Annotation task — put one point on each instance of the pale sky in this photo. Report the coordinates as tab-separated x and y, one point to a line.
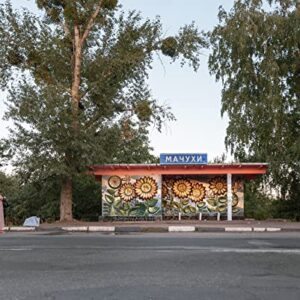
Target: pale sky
195	98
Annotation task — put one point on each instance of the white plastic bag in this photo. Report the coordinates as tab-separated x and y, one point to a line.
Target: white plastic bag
32	222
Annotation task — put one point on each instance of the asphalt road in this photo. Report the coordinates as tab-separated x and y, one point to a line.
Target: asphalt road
150	266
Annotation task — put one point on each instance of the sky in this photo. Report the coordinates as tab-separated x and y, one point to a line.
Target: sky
194	97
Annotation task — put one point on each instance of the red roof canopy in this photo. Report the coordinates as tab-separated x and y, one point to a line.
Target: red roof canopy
247	169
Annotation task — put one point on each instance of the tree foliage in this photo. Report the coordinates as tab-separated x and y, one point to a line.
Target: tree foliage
258	205
256	55
77	84
41	198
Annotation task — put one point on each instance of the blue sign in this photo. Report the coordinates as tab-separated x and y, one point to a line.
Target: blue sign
183	159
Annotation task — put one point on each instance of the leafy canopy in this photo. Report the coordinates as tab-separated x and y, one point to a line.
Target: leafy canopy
115	105
256	55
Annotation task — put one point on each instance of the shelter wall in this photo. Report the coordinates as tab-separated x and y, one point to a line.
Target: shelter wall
131	196
190	195
169	195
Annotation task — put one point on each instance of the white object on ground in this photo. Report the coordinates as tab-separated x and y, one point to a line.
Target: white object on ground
32	222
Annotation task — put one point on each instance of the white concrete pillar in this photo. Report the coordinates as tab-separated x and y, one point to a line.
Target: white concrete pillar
229	197
200	216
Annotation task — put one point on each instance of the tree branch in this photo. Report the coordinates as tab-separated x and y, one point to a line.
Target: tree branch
91	22
66	28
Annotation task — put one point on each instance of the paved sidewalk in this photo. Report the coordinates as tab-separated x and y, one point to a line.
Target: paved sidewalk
166	226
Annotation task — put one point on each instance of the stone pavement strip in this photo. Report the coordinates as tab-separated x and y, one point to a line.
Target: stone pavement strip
165	226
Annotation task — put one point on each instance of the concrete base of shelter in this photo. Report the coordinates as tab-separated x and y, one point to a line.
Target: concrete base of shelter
166	218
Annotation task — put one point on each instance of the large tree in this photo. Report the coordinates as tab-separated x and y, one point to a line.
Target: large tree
256	55
76	78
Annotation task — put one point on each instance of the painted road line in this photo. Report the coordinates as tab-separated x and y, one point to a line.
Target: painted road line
255	251
15	249
76	229
259	229
273	229
101	228
20	228
182	228
238	229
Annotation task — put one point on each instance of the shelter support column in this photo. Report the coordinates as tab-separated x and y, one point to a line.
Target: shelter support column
229	197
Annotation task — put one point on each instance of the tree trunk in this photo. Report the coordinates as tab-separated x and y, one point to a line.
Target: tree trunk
66	187
66	200
75	89
66	197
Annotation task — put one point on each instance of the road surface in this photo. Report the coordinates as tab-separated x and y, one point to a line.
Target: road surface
150	266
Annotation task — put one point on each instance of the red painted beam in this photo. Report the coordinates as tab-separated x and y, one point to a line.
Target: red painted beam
213	169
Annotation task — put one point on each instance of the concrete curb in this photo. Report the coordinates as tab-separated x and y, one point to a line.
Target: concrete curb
259	229
101	229
155	229
210	229
149	229
290	229
182	228
238	229
273	229
76	228
128	229
19	229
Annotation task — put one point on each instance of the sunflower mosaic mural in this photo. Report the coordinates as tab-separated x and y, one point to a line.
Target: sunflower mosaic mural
114	182
182	188
146	188
198	192
136	196
150	196
126	192
194	194
218	186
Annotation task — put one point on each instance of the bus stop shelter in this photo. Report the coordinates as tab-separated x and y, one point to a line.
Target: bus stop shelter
155	190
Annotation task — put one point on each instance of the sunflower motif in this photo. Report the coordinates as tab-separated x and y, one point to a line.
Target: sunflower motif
165	190
182	188
218	186
126	192
146	188
114	182
198	192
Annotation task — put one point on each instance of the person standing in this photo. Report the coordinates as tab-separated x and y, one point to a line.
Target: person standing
1	214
